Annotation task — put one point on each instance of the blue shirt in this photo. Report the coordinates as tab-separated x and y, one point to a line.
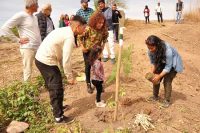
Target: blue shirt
173	59
85	13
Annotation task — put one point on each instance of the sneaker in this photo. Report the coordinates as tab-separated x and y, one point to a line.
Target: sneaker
89	88
165	104
152	99
64	119
112	61
100	104
101	101
104	59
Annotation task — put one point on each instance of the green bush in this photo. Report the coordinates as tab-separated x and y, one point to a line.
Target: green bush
20	101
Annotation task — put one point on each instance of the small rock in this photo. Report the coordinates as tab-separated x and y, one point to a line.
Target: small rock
17	127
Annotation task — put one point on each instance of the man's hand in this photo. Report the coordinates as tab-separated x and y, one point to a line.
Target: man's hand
23	40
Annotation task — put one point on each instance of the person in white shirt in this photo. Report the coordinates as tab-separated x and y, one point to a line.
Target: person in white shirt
159	13
29	34
56	48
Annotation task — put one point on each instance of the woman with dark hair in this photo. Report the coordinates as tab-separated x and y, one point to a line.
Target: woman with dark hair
146	14
97	73
166	63
96	33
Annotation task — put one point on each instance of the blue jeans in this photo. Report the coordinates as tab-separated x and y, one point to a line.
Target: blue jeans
178	17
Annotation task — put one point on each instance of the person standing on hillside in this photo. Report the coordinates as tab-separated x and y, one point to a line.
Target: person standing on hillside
159	13
107	12
29	34
61	21
166	63
115	18
85	11
56	48
146	14
179	10
44	20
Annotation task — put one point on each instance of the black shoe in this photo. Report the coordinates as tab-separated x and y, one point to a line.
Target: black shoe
89	88
64	119
104	59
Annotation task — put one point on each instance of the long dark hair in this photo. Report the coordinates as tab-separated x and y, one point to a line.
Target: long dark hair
160	53
94	54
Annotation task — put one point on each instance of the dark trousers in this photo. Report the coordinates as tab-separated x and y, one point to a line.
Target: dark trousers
167	81
116	31
159	15
87	66
75	40
53	81
99	87
147	19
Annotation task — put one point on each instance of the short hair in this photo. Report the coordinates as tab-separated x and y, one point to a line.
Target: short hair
79	19
29	3
46	6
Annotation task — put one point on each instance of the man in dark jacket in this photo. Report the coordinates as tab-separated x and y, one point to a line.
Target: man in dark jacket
179	10
115	18
44	21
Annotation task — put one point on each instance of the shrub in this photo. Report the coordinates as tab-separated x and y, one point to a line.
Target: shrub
20	101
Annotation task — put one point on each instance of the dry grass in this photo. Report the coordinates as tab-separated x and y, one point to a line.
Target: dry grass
194	13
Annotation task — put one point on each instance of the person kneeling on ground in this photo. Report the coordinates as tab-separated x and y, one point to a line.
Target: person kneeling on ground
166	63
57	47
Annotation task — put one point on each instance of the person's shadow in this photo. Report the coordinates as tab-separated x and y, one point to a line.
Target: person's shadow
178	96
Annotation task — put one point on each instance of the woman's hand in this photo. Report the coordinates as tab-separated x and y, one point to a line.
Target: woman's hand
156	79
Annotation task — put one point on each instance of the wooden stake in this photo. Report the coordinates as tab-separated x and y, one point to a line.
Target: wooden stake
118	73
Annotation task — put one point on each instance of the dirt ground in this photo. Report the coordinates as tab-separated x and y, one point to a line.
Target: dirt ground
182	116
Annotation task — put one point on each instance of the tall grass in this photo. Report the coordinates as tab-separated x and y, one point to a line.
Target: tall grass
194	13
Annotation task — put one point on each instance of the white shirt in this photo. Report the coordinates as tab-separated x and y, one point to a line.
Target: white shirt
27	26
56	48
158	9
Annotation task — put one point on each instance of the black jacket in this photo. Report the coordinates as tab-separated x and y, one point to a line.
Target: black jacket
179	6
115	16
42	22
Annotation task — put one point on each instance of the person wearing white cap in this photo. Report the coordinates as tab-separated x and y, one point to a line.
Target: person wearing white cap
29	34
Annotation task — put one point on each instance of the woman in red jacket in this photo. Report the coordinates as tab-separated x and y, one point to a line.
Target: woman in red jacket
146	14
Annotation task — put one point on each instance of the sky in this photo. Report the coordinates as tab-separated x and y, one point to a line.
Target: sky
134	8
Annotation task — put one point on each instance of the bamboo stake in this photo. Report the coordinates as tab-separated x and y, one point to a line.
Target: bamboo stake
118	72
